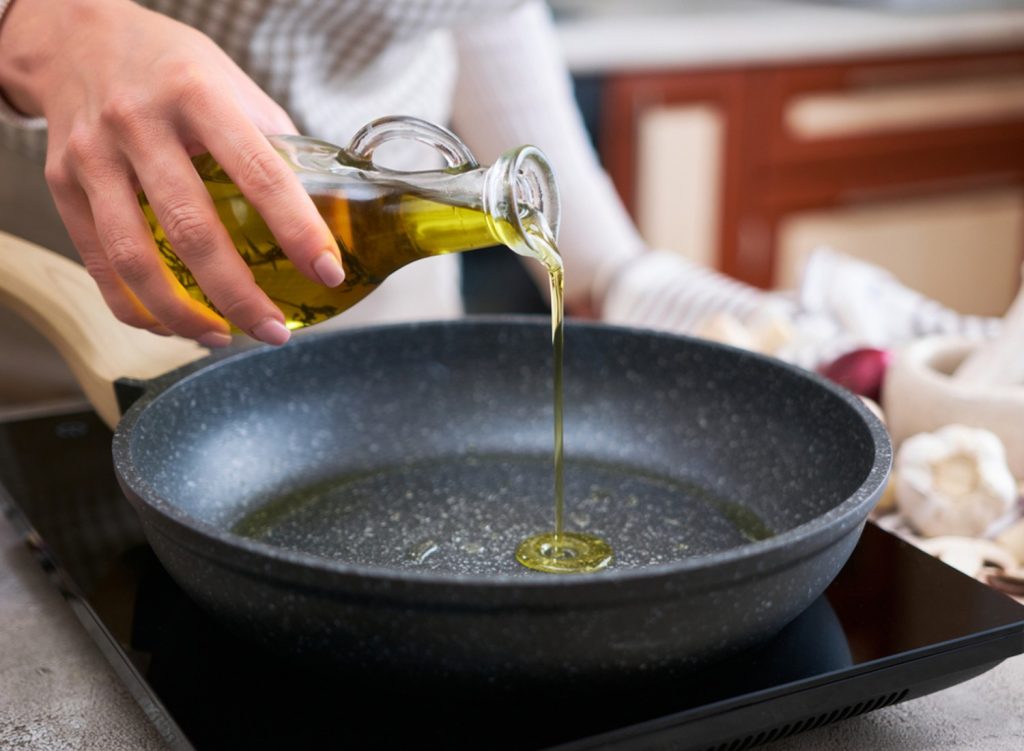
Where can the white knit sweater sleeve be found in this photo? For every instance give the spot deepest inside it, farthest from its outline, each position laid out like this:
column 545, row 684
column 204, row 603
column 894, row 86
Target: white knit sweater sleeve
column 512, row 88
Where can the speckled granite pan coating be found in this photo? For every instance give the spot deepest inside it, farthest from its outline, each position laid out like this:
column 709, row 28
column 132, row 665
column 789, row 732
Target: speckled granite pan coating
column 355, row 498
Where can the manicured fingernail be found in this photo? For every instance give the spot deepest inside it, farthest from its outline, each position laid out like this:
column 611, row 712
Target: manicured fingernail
column 215, row 339
column 271, row 331
column 329, row 269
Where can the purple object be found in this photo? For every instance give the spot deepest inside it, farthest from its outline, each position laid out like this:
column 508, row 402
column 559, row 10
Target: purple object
column 862, row 371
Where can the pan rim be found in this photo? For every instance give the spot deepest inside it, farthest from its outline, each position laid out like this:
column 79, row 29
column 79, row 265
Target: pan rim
column 295, row 567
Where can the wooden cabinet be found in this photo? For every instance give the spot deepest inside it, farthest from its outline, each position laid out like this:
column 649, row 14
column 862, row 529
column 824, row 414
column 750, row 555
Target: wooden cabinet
column 916, row 163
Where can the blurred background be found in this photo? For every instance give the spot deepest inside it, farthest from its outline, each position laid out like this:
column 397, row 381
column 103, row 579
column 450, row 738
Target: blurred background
column 745, row 133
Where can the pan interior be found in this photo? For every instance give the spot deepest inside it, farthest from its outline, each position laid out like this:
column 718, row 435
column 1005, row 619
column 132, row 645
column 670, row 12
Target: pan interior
column 429, row 445
column 466, row 515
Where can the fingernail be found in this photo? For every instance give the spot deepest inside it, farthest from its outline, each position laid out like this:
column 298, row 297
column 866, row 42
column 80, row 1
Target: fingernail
column 160, row 330
column 329, row 269
column 214, row 339
column 271, row 331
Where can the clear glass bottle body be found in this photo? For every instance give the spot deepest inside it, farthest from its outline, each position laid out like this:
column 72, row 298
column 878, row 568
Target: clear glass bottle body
column 382, row 219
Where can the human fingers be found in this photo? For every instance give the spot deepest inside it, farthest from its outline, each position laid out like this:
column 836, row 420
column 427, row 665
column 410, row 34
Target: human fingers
column 73, row 207
column 262, row 111
column 273, row 189
column 188, row 217
column 129, row 250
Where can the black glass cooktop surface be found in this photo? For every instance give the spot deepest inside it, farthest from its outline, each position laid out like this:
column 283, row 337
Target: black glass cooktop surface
column 895, row 624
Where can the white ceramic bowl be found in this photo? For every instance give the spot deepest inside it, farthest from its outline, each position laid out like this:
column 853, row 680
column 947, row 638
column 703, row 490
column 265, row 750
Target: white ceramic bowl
column 919, row 395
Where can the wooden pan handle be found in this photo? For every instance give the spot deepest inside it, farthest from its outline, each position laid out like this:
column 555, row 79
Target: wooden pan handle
column 60, row 299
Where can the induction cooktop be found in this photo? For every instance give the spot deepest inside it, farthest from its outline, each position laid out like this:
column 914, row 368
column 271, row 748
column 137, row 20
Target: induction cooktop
column 895, row 624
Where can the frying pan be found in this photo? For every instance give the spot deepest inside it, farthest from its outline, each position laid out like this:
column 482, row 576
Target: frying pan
column 354, row 498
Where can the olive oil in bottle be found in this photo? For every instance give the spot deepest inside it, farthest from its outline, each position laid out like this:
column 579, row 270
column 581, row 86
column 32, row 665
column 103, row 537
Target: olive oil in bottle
column 382, row 219
column 379, row 229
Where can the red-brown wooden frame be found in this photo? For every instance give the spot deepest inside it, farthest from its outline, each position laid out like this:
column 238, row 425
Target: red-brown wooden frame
column 768, row 173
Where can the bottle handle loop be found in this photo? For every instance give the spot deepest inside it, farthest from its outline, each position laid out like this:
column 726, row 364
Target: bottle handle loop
column 398, row 127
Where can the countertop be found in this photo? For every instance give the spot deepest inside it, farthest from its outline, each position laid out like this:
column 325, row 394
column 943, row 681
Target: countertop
column 58, row 692
column 617, row 35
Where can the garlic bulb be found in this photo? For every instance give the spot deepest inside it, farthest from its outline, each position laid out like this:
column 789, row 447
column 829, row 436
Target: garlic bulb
column 954, row 481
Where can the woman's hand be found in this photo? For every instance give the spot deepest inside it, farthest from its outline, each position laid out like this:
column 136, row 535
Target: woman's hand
column 129, row 95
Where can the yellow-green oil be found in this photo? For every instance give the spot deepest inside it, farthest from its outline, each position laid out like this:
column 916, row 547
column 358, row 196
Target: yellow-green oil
column 560, row 552
column 379, row 229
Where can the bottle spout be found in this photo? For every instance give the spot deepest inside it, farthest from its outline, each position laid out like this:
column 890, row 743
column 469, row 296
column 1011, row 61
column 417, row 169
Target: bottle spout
column 521, row 202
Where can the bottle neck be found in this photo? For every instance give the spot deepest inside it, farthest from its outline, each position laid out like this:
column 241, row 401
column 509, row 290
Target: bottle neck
column 517, row 195
column 521, row 202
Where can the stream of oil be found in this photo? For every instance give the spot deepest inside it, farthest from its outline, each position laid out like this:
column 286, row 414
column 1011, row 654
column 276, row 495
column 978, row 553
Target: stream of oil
column 559, row 551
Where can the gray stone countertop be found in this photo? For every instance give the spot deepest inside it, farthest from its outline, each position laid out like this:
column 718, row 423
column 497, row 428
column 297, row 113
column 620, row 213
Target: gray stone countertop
column 58, row 692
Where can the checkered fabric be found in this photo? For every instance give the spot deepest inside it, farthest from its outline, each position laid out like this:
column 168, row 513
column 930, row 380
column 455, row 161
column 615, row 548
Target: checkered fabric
column 332, row 64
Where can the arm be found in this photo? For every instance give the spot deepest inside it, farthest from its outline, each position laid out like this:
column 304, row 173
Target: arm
column 514, row 87
column 128, row 96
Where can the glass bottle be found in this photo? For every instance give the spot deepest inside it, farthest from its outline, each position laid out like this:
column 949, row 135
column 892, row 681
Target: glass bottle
column 383, row 219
